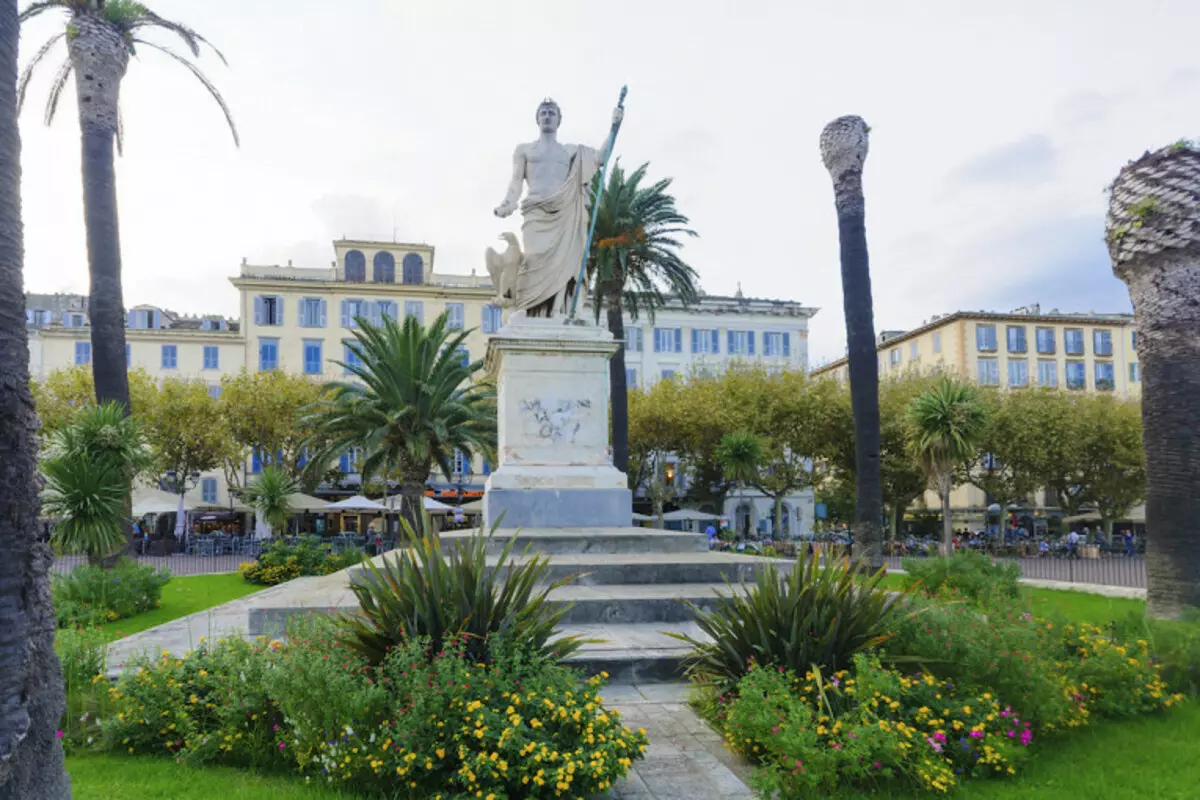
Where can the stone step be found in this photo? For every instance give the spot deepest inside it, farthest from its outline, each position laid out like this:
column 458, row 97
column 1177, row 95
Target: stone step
column 579, row 541
column 634, row 653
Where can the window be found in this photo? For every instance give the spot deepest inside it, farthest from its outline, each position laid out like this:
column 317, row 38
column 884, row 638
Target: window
column 348, row 461
column 128, row 355
column 912, row 351
column 214, row 390
column 493, row 319
column 455, row 316
column 634, row 341
column 937, row 341
column 894, row 356
column 1073, row 342
column 1102, row 343
column 1076, row 375
column 356, row 266
column 83, row 352
column 667, row 374
column 1133, row 340
column 668, row 340
column 1016, row 338
column 1018, row 372
column 384, row 309
column 985, row 338
column 1105, row 380
column 208, row 490
column 143, row 319
column 212, row 356
column 741, row 343
column 1045, row 341
column 40, row 317
column 1048, row 374
column 268, row 354
column 415, row 309
column 312, row 312
column 72, row 319
column 170, row 356
column 462, row 464
column 989, row 372
column 383, row 268
column 486, row 467
column 312, row 357
column 705, row 340
column 1135, row 372
column 354, row 309
column 414, row 268
column 777, row 344
column 464, row 357
column 350, row 356
column 214, row 325
column 630, row 377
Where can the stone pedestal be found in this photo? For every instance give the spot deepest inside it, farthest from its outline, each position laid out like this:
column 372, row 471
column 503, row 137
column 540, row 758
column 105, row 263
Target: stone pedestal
column 555, row 466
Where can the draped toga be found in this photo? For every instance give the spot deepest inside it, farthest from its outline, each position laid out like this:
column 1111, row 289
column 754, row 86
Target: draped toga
column 554, row 231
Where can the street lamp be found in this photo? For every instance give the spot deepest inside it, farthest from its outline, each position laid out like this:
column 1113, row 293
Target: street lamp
column 462, row 477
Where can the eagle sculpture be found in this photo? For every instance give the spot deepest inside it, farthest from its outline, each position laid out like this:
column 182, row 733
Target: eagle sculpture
column 503, row 269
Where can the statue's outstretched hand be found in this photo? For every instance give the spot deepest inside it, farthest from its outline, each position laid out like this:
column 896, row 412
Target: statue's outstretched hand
column 505, row 209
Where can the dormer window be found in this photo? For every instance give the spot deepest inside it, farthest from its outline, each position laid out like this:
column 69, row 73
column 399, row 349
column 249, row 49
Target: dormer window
column 144, row 319
column 414, row 269
column 213, row 325
column 73, row 319
column 383, row 268
column 356, row 266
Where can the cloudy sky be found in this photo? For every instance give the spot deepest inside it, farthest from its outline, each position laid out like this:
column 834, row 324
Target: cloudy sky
column 994, row 132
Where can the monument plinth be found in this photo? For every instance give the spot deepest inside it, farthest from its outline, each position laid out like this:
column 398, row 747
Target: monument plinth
column 555, row 466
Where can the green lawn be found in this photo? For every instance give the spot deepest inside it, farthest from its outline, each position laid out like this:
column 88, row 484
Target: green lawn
column 183, row 596
column 96, row 777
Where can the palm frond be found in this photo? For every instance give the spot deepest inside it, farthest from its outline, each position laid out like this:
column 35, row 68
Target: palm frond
column 191, row 38
column 56, row 90
column 36, row 8
column 27, row 73
column 200, row 76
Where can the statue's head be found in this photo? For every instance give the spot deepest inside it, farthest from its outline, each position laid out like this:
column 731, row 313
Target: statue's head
column 549, row 116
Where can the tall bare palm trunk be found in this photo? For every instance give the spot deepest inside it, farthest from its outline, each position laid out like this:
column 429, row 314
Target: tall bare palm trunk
column 100, row 56
column 844, row 150
column 1153, row 232
column 31, row 684
column 945, row 487
column 618, row 386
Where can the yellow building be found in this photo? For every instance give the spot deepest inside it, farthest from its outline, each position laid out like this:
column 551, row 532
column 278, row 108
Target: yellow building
column 1075, row 352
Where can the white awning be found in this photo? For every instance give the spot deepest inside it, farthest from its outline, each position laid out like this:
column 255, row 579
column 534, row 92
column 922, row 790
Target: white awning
column 355, row 503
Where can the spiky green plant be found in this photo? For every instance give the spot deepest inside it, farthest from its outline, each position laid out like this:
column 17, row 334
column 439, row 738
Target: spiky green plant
column 810, row 616
column 424, row 591
column 270, row 496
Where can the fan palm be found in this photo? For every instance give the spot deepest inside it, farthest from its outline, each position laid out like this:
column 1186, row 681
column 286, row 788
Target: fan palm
column 1153, row 231
column 740, row 453
column 633, row 266
column 270, row 496
column 100, row 36
column 410, row 406
column 844, row 145
column 948, row 424
column 32, row 702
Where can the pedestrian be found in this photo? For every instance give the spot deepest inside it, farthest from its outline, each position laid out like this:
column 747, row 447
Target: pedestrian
column 711, row 532
column 1073, row 544
column 1043, row 548
column 458, row 517
column 1129, row 544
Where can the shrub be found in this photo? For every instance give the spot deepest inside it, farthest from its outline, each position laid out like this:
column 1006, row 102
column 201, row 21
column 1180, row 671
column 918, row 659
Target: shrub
column 968, row 574
column 90, row 595
column 423, row 723
column 422, row 591
column 81, row 652
column 809, row 615
column 281, row 562
column 1174, row 644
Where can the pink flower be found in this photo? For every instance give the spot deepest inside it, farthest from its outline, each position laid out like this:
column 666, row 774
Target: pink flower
column 877, row 765
column 60, row 734
column 775, row 730
column 282, row 745
column 1026, row 737
column 976, row 734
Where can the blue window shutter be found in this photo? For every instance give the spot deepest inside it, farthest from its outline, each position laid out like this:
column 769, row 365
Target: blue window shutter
column 323, row 310
column 278, row 309
column 716, row 341
column 255, row 462
column 258, row 310
column 487, row 467
column 128, row 356
column 345, row 313
column 695, row 340
column 656, row 341
column 787, row 343
column 130, row 319
column 679, row 340
column 300, row 313
column 750, row 342
column 729, row 342
column 344, row 463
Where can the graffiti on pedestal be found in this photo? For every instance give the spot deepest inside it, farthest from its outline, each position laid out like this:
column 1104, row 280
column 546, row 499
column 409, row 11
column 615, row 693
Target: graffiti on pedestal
column 557, row 420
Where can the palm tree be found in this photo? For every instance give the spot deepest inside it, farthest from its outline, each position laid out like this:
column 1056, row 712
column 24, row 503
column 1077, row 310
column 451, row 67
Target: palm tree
column 1153, row 231
column 31, row 685
column 89, row 466
column 844, row 146
column 101, row 35
column 411, row 404
column 948, row 425
column 634, row 258
column 740, row 453
column 271, row 496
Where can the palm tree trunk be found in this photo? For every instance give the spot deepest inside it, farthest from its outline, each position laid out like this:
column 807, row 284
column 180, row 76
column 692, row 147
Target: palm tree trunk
column 31, row 683
column 844, row 149
column 618, row 388
column 100, row 56
column 1153, row 231
column 944, row 489
column 412, row 508
column 778, row 516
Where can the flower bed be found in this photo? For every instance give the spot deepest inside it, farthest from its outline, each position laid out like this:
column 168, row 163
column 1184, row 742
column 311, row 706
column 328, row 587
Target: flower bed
column 432, row 724
column 281, row 562
column 90, row 595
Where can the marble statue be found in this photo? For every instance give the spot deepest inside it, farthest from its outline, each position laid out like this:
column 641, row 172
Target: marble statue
column 540, row 279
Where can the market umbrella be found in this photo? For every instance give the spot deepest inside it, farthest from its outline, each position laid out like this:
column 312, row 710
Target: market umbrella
column 355, row 503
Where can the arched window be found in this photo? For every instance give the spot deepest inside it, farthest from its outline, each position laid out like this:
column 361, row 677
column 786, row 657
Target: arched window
column 383, row 270
column 414, row 269
column 743, row 518
column 356, row 266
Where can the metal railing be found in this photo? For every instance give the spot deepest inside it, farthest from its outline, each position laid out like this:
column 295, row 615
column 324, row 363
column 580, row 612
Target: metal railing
column 1098, row 566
